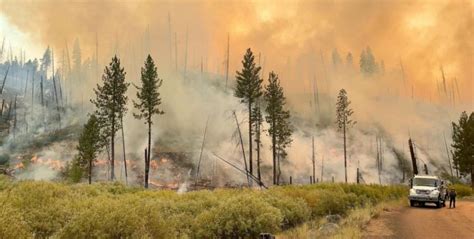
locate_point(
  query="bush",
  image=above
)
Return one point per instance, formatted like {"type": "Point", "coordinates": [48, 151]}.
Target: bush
{"type": "Point", "coordinates": [240, 216]}
{"type": "Point", "coordinates": [294, 211]}
{"type": "Point", "coordinates": [462, 190]}
{"type": "Point", "coordinates": [112, 210]}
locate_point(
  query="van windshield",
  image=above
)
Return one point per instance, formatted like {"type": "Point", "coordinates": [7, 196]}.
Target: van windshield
{"type": "Point", "coordinates": [425, 182]}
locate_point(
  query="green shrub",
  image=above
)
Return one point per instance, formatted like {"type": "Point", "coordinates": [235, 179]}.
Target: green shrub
{"type": "Point", "coordinates": [462, 190]}
{"type": "Point", "coordinates": [112, 210]}
{"type": "Point", "coordinates": [237, 217]}
{"type": "Point", "coordinates": [103, 217]}
{"type": "Point", "coordinates": [12, 223]}
{"type": "Point", "coordinates": [294, 210]}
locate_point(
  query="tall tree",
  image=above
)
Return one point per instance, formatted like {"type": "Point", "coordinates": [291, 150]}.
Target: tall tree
{"type": "Point", "coordinates": [336, 58]}
{"type": "Point", "coordinates": [149, 102]}
{"type": "Point", "coordinates": [278, 118]}
{"type": "Point", "coordinates": [249, 89]}
{"type": "Point", "coordinates": [89, 145]}
{"type": "Point", "coordinates": [367, 63]}
{"type": "Point", "coordinates": [463, 144]}
{"type": "Point", "coordinates": [110, 103]}
{"type": "Point", "coordinates": [344, 121]}
{"type": "Point", "coordinates": [46, 60]}
{"type": "Point", "coordinates": [349, 60]}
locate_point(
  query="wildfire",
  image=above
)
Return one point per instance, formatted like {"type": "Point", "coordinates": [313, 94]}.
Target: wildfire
{"type": "Point", "coordinates": [154, 164]}
{"type": "Point", "coordinates": [19, 166]}
{"type": "Point", "coordinates": [172, 185]}
{"type": "Point", "coordinates": [51, 163]}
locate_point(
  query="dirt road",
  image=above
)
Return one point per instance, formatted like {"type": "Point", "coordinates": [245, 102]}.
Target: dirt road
{"type": "Point", "coordinates": [424, 222]}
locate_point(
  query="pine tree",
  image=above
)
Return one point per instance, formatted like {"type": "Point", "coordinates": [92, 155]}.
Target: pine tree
{"type": "Point", "coordinates": [110, 105]}
{"type": "Point", "coordinates": [148, 103]}
{"type": "Point", "coordinates": [349, 60]}
{"type": "Point", "coordinates": [336, 58]}
{"type": "Point", "coordinates": [278, 118]}
{"type": "Point", "coordinates": [249, 89]}
{"type": "Point", "coordinates": [89, 145]}
{"type": "Point", "coordinates": [463, 144]}
{"type": "Point", "coordinates": [344, 121]}
{"type": "Point", "coordinates": [46, 60]}
{"type": "Point", "coordinates": [368, 64]}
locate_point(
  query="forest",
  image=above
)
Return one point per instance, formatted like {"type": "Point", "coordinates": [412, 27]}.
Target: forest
{"type": "Point", "coordinates": [289, 113]}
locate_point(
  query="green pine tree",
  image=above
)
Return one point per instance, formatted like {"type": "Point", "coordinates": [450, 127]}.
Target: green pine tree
{"type": "Point", "coordinates": [148, 103]}
{"type": "Point", "coordinates": [249, 89]}
{"type": "Point", "coordinates": [463, 144]}
{"type": "Point", "coordinates": [280, 129]}
{"type": "Point", "coordinates": [344, 121]}
{"type": "Point", "coordinates": [88, 147]}
{"type": "Point", "coordinates": [110, 105]}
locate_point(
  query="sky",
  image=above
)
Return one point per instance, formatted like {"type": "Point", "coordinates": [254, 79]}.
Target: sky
{"type": "Point", "coordinates": [289, 35]}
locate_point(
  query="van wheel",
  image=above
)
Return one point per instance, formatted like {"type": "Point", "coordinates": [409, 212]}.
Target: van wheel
{"type": "Point", "coordinates": [412, 203]}
{"type": "Point", "coordinates": [438, 204]}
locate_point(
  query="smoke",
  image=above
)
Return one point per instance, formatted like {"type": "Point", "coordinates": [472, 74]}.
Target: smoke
{"type": "Point", "coordinates": [293, 38]}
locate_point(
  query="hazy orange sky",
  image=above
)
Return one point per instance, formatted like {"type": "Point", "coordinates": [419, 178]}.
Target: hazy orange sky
{"type": "Point", "coordinates": [290, 35]}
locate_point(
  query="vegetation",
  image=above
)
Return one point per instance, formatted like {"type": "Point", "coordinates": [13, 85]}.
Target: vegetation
{"type": "Point", "coordinates": [110, 104]}
{"type": "Point", "coordinates": [463, 144]}
{"type": "Point", "coordinates": [249, 89]}
{"type": "Point", "coordinates": [148, 103]}
{"type": "Point", "coordinates": [278, 118]}
{"type": "Point", "coordinates": [88, 147]}
{"type": "Point", "coordinates": [46, 209]}
{"type": "Point", "coordinates": [343, 120]}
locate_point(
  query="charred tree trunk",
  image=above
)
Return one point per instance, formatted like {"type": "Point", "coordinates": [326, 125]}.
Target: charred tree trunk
{"type": "Point", "coordinates": [56, 92]}
{"type": "Point", "coordinates": [345, 152]}
{"type": "Point", "coordinates": [242, 147]}
{"type": "Point", "coordinates": [200, 154]}
{"type": "Point", "coordinates": [274, 154]}
{"type": "Point", "coordinates": [14, 119]}
{"type": "Point", "coordinates": [112, 150]}
{"type": "Point", "coordinates": [250, 138]}
{"type": "Point", "coordinates": [90, 171]}
{"type": "Point", "coordinates": [147, 168]}
{"type": "Point", "coordinates": [3, 105]}
{"type": "Point", "coordinates": [413, 157]}
{"type": "Point", "coordinates": [314, 161]}
{"type": "Point", "coordinates": [124, 153]}
{"type": "Point", "coordinates": [4, 80]}
{"type": "Point", "coordinates": [257, 132]}
{"type": "Point", "coordinates": [149, 149]}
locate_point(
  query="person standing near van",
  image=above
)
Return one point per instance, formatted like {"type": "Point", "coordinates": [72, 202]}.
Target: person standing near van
{"type": "Point", "coordinates": [452, 198]}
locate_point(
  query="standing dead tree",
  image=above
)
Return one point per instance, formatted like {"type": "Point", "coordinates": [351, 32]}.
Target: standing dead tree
{"type": "Point", "coordinates": [55, 91]}
{"type": "Point", "coordinates": [242, 147]}
{"type": "Point", "coordinates": [200, 154]}
{"type": "Point", "coordinates": [313, 159]}
{"type": "Point", "coordinates": [4, 80]}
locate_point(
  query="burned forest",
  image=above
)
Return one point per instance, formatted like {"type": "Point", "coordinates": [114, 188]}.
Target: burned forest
{"type": "Point", "coordinates": [180, 105]}
{"type": "Point", "coordinates": [236, 119]}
